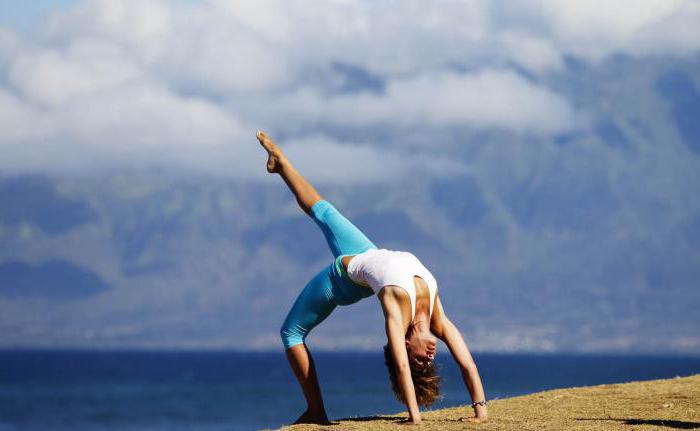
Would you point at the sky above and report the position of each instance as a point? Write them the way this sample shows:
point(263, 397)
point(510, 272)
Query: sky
point(100, 84)
point(23, 15)
point(556, 143)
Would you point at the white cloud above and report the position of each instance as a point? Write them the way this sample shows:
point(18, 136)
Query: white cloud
point(9, 45)
point(49, 77)
point(329, 161)
point(487, 99)
point(533, 53)
point(165, 83)
point(129, 126)
point(143, 27)
point(217, 53)
point(595, 29)
point(17, 120)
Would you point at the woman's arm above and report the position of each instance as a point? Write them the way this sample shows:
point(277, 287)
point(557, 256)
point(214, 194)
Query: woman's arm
point(397, 342)
point(445, 330)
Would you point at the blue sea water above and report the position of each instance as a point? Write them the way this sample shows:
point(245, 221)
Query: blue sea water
point(217, 391)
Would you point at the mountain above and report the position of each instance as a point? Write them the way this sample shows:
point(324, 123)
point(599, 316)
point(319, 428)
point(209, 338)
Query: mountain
point(584, 241)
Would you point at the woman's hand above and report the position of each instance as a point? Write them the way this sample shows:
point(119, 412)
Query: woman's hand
point(448, 332)
point(397, 343)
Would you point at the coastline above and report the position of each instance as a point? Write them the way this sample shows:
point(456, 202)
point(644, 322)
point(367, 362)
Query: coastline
point(644, 405)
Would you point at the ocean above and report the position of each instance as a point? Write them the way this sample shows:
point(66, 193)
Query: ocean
point(235, 391)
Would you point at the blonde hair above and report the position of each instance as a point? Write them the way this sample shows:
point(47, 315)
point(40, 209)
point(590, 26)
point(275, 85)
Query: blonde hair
point(426, 382)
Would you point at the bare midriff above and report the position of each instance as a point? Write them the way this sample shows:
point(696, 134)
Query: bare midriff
point(345, 260)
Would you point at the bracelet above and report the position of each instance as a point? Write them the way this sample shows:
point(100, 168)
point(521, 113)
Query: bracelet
point(481, 403)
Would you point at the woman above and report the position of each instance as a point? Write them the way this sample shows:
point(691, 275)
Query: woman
point(406, 290)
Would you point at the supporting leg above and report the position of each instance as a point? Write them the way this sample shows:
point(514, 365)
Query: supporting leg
point(313, 305)
point(303, 366)
point(305, 194)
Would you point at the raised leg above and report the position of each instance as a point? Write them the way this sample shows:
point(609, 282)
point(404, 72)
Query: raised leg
point(342, 236)
point(304, 369)
point(304, 192)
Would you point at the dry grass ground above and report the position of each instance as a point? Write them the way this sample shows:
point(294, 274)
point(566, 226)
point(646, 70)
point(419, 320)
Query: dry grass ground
point(652, 405)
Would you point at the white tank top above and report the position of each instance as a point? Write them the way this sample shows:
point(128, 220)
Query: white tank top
point(378, 268)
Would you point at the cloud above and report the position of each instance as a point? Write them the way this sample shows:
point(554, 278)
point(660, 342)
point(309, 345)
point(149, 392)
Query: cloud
point(484, 100)
point(137, 125)
point(9, 44)
point(531, 52)
point(113, 84)
point(330, 161)
point(141, 26)
point(596, 29)
point(53, 79)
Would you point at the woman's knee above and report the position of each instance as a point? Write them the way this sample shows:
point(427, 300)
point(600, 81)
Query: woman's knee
point(319, 209)
point(312, 306)
point(291, 334)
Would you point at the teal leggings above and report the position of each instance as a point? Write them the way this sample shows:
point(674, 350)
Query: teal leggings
point(331, 286)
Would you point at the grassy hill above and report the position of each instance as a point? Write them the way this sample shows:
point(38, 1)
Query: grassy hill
point(650, 405)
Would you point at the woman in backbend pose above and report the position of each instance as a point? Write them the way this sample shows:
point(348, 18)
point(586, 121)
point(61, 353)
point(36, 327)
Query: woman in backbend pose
point(406, 290)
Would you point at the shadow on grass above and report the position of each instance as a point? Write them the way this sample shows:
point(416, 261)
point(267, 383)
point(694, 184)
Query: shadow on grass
point(374, 418)
point(395, 419)
point(683, 425)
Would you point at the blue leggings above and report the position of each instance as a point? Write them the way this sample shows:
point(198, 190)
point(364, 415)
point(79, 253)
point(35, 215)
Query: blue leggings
point(331, 286)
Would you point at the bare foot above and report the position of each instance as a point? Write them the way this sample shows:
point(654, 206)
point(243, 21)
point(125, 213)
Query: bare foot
point(474, 419)
point(309, 418)
point(275, 157)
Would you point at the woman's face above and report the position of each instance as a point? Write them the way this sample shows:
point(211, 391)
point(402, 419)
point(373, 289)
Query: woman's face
point(421, 349)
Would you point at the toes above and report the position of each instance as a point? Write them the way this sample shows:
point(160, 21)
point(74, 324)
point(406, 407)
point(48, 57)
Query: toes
point(264, 140)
